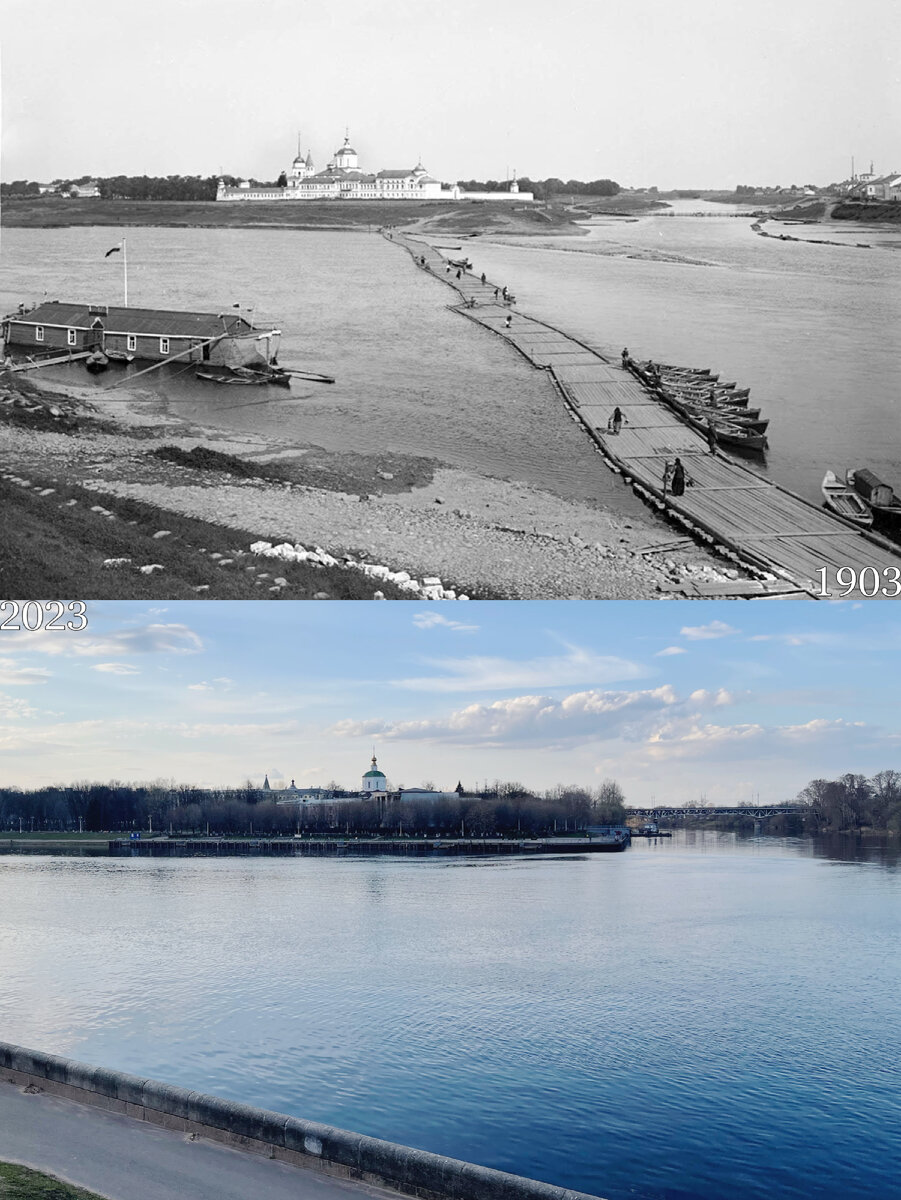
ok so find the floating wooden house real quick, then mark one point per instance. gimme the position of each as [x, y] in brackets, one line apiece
[151, 334]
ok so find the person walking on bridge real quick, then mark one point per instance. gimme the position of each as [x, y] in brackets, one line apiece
[483, 278]
[617, 420]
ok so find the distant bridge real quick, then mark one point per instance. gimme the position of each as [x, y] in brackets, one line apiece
[758, 811]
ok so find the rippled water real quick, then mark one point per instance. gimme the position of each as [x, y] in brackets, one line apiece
[699, 1017]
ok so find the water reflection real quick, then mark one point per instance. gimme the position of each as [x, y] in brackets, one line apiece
[712, 1013]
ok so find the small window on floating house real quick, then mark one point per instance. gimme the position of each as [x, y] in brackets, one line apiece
[39, 333]
[164, 345]
[132, 342]
[71, 337]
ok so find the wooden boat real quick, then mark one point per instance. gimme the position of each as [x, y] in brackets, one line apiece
[702, 396]
[463, 264]
[842, 499]
[119, 356]
[246, 376]
[739, 407]
[217, 377]
[878, 495]
[96, 362]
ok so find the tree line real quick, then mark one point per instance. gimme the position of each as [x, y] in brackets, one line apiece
[543, 189]
[504, 809]
[853, 802]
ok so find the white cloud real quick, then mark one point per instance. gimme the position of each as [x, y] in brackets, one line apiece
[537, 720]
[14, 676]
[13, 709]
[485, 674]
[429, 620]
[220, 684]
[670, 650]
[175, 638]
[716, 629]
[116, 668]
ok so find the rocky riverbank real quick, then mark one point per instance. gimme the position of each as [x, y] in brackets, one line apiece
[444, 529]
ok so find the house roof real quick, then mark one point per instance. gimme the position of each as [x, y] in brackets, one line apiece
[157, 322]
[394, 174]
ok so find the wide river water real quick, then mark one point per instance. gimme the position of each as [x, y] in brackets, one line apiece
[812, 329]
[705, 1016]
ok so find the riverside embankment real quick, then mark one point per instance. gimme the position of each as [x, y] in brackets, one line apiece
[87, 1148]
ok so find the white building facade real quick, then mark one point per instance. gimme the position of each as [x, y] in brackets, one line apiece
[343, 179]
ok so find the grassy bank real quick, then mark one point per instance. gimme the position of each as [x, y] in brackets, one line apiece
[55, 543]
[21, 1183]
[855, 210]
[473, 216]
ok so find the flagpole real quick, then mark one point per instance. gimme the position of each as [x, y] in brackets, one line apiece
[125, 269]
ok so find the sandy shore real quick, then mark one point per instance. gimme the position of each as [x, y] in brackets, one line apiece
[480, 535]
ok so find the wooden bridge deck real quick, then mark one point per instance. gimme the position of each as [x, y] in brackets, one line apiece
[765, 525]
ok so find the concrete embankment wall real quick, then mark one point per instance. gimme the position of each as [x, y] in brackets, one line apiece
[288, 1139]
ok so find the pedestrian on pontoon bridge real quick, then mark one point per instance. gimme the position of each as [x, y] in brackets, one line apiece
[504, 292]
[496, 293]
[483, 277]
[508, 322]
[459, 274]
[617, 420]
[711, 437]
[625, 356]
[447, 268]
[679, 479]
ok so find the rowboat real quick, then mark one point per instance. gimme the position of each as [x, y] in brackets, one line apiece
[842, 499]
[720, 399]
[245, 375]
[462, 263]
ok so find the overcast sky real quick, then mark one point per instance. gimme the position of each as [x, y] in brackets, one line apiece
[700, 93]
[677, 701]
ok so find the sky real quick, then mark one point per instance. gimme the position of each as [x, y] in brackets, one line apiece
[679, 701]
[702, 93]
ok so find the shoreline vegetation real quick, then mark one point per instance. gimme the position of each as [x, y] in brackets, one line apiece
[23, 1183]
[852, 804]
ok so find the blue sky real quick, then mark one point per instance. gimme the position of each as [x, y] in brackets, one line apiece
[696, 94]
[676, 700]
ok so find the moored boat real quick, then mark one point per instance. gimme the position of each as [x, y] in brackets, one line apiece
[845, 501]
[879, 496]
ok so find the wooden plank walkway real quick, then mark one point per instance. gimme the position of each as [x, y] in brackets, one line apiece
[764, 525]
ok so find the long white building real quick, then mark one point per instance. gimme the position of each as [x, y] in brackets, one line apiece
[343, 179]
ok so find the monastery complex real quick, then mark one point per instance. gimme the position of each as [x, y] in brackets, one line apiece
[343, 179]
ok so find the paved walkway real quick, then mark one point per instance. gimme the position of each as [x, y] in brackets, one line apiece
[125, 1159]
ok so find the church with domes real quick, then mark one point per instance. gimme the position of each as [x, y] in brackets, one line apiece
[343, 179]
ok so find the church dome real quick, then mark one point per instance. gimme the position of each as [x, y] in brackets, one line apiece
[374, 773]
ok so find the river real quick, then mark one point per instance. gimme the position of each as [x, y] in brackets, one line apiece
[812, 329]
[703, 1016]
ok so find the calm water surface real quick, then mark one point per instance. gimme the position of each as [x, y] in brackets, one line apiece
[698, 1017]
[813, 330]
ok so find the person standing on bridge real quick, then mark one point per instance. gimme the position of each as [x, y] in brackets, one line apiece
[483, 278]
[711, 436]
[508, 322]
[625, 357]
[617, 420]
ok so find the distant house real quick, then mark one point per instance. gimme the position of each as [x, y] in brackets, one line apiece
[84, 191]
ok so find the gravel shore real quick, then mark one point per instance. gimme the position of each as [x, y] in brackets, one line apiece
[482, 536]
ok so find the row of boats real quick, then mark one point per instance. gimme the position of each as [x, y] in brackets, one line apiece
[721, 411]
[718, 410]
